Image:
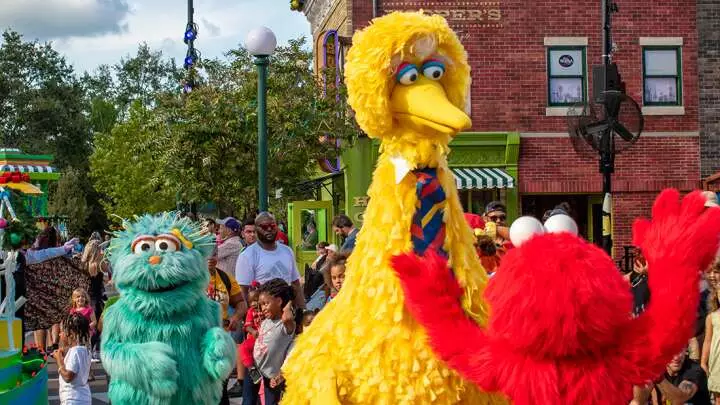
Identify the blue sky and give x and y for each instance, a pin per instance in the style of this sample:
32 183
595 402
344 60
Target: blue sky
93 32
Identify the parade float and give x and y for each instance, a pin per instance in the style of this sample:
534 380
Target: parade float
23 375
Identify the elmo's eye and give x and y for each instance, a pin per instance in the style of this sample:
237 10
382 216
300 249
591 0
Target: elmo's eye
407 74
166 244
143 245
433 69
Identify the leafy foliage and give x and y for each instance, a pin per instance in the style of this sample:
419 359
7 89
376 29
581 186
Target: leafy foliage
125 175
203 146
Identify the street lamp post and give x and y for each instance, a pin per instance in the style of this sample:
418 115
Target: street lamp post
261 43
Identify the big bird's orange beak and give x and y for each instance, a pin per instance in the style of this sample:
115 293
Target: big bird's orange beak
425 104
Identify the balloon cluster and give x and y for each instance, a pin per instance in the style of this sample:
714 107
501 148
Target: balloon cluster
525 228
14 177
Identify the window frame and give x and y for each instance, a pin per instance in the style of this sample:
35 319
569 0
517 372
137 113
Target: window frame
677 77
583 78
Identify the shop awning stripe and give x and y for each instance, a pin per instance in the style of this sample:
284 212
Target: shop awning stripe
479 178
27 169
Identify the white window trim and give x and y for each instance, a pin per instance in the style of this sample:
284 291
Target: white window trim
656 109
661 41
663 110
560 111
566 41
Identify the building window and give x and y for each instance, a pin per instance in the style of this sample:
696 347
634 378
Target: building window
567 76
662 83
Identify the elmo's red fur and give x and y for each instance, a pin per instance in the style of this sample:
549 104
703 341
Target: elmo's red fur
561 330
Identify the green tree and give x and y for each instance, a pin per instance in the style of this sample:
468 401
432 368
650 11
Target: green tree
125 176
202 147
43 109
208 140
41 102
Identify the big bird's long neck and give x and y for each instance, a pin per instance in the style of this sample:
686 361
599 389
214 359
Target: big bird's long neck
386 230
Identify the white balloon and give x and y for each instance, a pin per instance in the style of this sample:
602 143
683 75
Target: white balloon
524 228
561 223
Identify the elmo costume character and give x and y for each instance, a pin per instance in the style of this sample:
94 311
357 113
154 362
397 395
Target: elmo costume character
561 329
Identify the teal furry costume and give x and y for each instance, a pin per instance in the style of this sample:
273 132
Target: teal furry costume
162 342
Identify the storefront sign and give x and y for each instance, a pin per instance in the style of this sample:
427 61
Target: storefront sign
458 13
361 201
566 61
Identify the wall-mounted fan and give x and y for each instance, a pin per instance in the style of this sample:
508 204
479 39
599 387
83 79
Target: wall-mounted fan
619 113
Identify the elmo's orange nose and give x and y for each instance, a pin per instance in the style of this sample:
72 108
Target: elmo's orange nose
155 260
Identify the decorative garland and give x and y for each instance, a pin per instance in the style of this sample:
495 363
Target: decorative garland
14 177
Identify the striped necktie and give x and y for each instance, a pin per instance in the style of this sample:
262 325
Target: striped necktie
428 228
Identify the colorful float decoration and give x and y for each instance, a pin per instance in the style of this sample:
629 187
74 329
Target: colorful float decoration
23 372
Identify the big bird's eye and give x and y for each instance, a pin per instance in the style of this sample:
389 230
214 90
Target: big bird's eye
167 243
433 69
143 245
407 74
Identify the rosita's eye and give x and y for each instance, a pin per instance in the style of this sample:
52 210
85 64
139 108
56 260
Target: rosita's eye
167 243
433 69
143 245
407 74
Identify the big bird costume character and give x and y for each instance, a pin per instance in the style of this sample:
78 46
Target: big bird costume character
561 330
407 76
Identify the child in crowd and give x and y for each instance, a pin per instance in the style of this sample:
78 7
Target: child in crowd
253 319
277 332
710 360
80 304
308 317
335 277
73 360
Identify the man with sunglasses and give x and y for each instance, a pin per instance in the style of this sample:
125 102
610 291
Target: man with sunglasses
267 259
496 212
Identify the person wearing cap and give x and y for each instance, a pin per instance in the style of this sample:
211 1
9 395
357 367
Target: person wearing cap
229 249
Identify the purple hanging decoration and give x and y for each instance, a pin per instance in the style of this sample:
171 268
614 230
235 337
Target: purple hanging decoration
326 164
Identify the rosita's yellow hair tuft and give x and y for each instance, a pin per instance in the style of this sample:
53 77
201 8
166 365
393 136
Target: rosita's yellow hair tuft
376 53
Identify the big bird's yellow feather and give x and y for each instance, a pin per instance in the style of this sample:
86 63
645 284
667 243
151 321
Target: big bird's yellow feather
364 347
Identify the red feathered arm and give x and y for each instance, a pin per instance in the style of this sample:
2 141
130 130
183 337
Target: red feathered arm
432 296
679 243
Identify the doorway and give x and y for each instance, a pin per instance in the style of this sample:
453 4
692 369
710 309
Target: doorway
585 209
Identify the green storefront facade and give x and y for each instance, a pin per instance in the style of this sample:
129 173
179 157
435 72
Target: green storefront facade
484 164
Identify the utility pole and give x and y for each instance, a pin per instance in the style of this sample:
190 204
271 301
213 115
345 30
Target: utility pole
611 97
192 57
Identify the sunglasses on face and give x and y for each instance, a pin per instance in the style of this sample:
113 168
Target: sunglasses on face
267 227
497 218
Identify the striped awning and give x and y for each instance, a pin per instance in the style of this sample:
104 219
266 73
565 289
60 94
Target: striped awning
482 178
27 169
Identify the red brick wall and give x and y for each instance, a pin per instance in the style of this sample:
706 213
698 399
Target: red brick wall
509 63
550 165
641 172
509 92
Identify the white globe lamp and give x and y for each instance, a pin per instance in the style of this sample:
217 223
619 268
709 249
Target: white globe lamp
561 223
261 41
524 228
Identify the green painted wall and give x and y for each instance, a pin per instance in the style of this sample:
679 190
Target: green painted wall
469 149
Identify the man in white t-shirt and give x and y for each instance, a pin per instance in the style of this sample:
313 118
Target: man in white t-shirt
266 259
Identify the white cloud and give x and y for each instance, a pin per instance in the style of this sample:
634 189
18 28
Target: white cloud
46 19
222 25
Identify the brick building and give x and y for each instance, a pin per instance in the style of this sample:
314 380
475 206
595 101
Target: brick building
532 60
708 21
